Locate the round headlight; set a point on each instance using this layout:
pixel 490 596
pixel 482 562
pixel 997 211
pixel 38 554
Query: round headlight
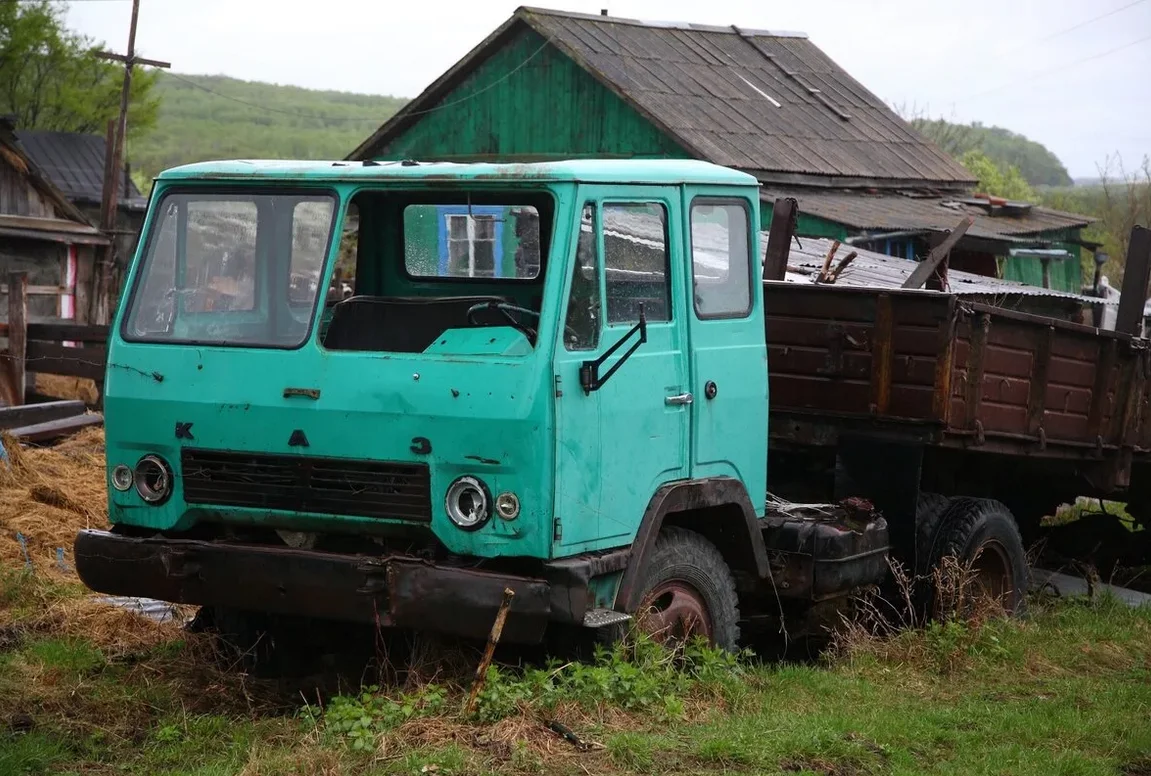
pixel 508 505
pixel 468 504
pixel 122 477
pixel 153 479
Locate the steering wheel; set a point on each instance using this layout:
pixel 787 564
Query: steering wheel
pixel 506 311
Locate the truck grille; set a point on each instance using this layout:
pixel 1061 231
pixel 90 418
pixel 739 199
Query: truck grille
pixel 320 485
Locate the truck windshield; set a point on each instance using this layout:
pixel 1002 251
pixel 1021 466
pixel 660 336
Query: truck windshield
pixel 232 268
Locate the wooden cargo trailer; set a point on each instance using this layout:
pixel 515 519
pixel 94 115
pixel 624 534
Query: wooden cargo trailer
pixel 907 397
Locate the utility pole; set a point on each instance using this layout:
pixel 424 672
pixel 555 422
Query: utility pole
pixel 113 170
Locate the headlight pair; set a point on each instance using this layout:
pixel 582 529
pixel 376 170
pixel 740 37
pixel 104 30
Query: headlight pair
pixel 152 478
pixel 469 504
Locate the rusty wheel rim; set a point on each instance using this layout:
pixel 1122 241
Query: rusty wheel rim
pixel 991 568
pixel 674 611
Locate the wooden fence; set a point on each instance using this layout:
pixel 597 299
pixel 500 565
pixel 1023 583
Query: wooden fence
pixel 61 347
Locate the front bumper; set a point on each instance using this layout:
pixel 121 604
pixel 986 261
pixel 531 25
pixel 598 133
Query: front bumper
pixel 392 591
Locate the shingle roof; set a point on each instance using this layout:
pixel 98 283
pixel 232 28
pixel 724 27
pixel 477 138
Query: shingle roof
pixel 74 163
pixel 885 211
pixel 770 103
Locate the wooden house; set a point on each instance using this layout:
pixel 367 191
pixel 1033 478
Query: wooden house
pixel 555 85
pixel 45 235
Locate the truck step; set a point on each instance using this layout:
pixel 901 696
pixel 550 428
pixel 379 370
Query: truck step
pixel 600 618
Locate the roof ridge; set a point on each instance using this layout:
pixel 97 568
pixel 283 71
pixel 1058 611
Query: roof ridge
pixel 525 10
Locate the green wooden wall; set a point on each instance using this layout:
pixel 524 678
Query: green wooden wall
pixel 550 107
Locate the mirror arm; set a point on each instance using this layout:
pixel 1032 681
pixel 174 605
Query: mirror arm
pixel 589 376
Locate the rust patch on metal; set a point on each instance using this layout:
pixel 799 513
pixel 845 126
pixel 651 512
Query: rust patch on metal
pixel 1040 371
pixel 882 351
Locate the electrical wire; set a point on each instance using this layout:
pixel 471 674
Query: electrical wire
pixel 1057 69
pixel 1092 20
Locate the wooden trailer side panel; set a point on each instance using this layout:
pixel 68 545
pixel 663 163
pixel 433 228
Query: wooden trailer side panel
pixel 857 352
pixel 952 373
pixel 1040 382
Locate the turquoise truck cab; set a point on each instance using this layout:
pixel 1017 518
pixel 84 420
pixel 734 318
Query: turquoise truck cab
pixel 547 377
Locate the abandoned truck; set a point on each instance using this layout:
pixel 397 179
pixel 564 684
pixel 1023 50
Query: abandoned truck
pixel 554 378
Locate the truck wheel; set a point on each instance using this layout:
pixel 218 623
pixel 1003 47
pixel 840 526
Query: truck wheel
pixel 243 639
pixel 688 591
pixel 982 534
pixel 929 511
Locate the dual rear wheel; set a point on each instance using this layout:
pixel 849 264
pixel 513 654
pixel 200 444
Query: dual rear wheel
pixel 689 589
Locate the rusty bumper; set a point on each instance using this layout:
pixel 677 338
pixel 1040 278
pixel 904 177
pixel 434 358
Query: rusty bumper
pixel 396 591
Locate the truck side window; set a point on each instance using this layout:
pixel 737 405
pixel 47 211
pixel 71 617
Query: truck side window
pixel 721 259
pixel 636 262
pixel 581 327
pixel 311 222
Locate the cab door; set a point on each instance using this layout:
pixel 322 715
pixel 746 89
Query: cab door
pixel 728 350
pixel 619 440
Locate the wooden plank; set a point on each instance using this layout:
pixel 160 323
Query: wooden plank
pixel 49 358
pixel 32 414
pixel 882 351
pixel 17 332
pixel 68 332
pixel 1040 371
pixel 38 290
pixel 926 267
pixel 55 429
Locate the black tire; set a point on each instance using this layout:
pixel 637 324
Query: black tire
pixel 243 639
pixel 929 511
pixel 983 532
pixel 685 558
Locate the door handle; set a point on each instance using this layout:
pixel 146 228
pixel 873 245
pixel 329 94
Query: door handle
pixel 683 398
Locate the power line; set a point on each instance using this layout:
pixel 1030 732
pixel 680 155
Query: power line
pixel 1057 69
pixel 1092 20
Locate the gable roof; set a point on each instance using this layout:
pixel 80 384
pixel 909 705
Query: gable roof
pixel 770 103
pixel 65 223
pixel 74 162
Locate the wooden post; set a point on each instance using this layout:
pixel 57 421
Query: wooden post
pixel 490 650
pixel 114 169
pixel 783 220
pixel 17 332
pixel 1136 275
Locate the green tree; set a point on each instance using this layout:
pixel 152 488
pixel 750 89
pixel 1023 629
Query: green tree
pixel 997 180
pixel 51 78
pixel 1036 163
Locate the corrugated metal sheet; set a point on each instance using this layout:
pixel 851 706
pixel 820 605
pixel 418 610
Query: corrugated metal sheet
pixel 893 211
pixel 74 163
pixel 877 270
pixel 866 270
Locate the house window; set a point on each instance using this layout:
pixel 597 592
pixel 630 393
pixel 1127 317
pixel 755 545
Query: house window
pixel 471 246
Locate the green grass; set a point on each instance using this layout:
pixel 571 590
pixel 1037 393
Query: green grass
pixel 1066 691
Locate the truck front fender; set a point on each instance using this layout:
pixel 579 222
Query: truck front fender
pixel 717 508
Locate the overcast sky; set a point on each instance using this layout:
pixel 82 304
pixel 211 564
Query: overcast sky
pixel 1084 93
